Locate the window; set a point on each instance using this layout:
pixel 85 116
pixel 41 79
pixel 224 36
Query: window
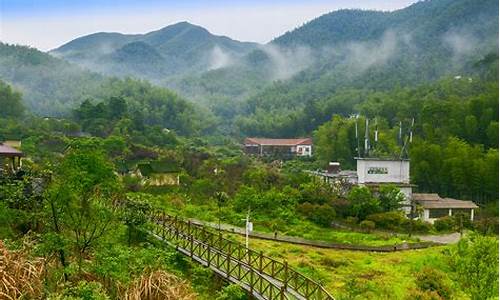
pixel 438 213
pixel 377 170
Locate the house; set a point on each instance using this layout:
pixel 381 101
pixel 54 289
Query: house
pixel 280 147
pixel 158 174
pixel 435 207
pixel 376 172
pixel 10 158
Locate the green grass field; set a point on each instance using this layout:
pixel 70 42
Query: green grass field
pixel 361 275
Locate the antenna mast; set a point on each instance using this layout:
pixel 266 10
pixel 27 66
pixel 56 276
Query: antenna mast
pixel 357 136
pixel 367 139
pixel 408 139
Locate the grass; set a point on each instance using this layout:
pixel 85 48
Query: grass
pixel 360 275
pixel 299 228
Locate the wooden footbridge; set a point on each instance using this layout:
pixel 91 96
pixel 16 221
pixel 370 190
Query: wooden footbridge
pixel 261 276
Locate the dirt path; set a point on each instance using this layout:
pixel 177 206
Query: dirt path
pixel 451 238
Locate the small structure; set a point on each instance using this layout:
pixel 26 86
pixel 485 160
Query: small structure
pixel 158 174
pixel 10 158
pixel 280 147
pixel 435 207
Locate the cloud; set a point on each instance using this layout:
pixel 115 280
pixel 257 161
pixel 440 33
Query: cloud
pixel 287 62
pixel 363 55
pixel 460 42
pixel 219 59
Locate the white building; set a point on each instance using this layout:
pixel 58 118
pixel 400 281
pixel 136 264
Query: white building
pixel 376 172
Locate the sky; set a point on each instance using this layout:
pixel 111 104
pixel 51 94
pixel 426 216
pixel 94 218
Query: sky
pixel 47 24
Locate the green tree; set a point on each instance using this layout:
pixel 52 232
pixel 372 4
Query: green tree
pixel 475 261
pixel 390 197
pixel 80 196
pixel 362 202
pixel 10 102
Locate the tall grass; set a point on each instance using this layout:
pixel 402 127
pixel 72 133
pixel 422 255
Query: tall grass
pixel 158 285
pixel 20 276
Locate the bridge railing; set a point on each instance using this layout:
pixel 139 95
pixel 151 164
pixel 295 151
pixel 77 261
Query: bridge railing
pixel 224 263
pixel 290 278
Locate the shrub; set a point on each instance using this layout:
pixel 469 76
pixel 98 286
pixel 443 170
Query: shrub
pixel 231 292
pixel 416 294
pixel 388 220
pixel 82 291
pixel 367 225
pixel 323 215
pixel 486 226
pixel 320 214
pixel 444 224
pixel 351 220
pixel 430 279
pixel 416 226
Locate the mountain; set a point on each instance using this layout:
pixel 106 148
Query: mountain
pixel 370 50
pixel 336 52
pixel 359 49
pixel 50 86
pixel 178 49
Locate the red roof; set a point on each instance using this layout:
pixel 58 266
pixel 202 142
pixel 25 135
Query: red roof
pixel 278 142
pixel 9 151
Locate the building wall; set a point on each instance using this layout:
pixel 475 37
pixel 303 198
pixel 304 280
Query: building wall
pixel 426 214
pixel 383 171
pixel 304 150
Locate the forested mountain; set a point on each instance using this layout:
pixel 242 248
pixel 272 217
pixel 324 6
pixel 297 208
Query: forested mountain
pixel 50 86
pixel 176 49
pixel 357 49
pixel 359 52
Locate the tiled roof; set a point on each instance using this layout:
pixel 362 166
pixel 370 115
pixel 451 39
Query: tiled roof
pixel 426 197
pixel 278 142
pixel 9 151
pixel 448 203
pixel 434 201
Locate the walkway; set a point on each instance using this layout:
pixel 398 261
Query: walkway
pixel 260 275
pixel 319 244
pixel 444 239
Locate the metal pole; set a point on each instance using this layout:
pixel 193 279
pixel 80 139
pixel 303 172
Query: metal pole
pixel 246 229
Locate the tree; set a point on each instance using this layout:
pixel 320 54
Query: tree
pixel 362 202
pixel 475 261
pixel 390 197
pixel 79 198
pixel 10 102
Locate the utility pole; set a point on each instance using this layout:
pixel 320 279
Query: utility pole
pixel 248 228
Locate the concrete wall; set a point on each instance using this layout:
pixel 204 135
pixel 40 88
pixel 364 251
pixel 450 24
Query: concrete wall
pixel 383 171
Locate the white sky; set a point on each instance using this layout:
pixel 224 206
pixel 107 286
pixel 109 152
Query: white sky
pixel 259 23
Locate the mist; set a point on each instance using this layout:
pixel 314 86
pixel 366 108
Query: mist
pixel 219 59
